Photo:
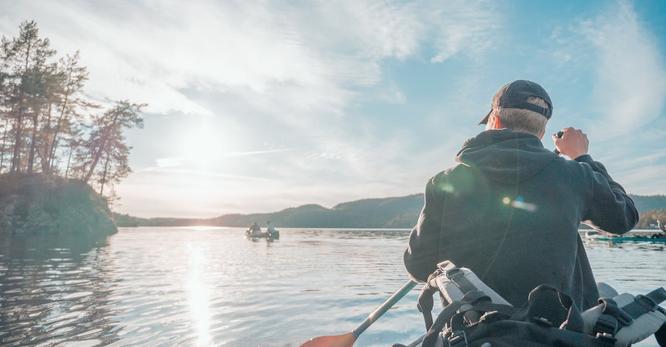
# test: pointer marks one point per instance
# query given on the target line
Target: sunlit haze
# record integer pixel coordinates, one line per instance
(260, 106)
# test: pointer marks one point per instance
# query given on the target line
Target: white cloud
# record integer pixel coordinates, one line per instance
(169, 162)
(630, 86)
(271, 70)
(470, 27)
(153, 50)
(298, 55)
(616, 70)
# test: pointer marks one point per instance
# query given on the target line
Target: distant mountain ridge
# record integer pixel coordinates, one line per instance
(646, 203)
(392, 212)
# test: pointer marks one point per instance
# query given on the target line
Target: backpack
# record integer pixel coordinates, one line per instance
(475, 315)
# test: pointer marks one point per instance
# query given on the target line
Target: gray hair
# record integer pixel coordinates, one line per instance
(522, 120)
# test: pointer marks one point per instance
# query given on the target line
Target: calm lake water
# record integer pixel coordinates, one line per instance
(210, 286)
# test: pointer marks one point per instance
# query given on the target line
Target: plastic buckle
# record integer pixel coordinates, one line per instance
(458, 337)
(611, 308)
(606, 338)
(606, 325)
(490, 317)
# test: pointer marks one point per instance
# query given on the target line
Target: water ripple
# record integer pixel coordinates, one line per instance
(210, 286)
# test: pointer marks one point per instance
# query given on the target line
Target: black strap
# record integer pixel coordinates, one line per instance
(660, 335)
(548, 306)
(440, 322)
(546, 112)
(456, 316)
(605, 340)
(606, 324)
(458, 334)
(658, 295)
(645, 303)
(426, 303)
(613, 318)
(611, 308)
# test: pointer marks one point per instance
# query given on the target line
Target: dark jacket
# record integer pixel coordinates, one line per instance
(510, 212)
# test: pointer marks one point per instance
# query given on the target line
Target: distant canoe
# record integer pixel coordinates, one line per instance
(656, 238)
(269, 235)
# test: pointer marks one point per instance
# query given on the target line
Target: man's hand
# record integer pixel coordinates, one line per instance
(573, 143)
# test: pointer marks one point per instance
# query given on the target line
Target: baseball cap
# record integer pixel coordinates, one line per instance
(516, 94)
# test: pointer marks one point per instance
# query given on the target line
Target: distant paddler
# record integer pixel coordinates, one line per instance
(254, 230)
(271, 232)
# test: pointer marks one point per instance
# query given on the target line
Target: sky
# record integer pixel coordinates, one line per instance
(256, 106)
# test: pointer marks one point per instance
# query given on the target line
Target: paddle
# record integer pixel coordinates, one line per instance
(559, 135)
(347, 340)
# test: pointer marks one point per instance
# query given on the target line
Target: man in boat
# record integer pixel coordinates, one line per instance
(269, 228)
(510, 209)
(255, 229)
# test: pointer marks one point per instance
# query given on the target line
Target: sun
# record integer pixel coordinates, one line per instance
(203, 146)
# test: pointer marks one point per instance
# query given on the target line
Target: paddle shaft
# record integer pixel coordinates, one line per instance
(384, 307)
(559, 136)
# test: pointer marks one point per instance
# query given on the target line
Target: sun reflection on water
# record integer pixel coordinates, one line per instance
(198, 295)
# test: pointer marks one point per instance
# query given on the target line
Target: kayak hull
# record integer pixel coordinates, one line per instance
(263, 235)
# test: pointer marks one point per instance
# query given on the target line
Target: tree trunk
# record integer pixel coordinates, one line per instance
(54, 141)
(106, 170)
(4, 143)
(45, 154)
(33, 141)
(16, 157)
(96, 157)
(69, 160)
(102, 148)
(54, 145)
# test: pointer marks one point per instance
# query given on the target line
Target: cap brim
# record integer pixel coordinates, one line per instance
(485, 119)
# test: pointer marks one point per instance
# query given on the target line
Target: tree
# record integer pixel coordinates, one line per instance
(42, 84)
(106, 139)
(71, 103)
(45, 119)
(116, 164)
(24, 66)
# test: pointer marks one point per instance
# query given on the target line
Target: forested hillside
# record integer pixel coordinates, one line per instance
(394, 212)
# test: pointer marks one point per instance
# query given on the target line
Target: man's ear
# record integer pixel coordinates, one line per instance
(494, 122)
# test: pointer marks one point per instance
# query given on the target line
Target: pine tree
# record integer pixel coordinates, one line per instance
(106, 137)
(45, 122)
(71, 103)
(24, 61)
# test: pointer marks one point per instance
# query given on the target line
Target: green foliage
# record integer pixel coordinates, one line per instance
(649, 218)
(106, 143)
(40, 204)
(46, 115)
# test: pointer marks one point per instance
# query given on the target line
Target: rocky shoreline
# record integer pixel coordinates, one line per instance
(37, 204)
